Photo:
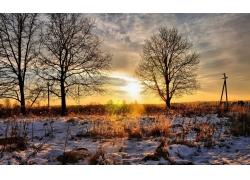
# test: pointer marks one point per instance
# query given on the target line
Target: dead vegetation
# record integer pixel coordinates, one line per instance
(72, 157)
(15, 136)
(240, 124)
(160, 151)
(168, 130)
(98, 158)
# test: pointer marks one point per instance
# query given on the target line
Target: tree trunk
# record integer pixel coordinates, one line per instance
(63, 100)
(23, 109)
(167, 93)
(168, 103)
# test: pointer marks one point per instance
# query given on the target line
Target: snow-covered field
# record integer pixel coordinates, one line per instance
(156, 140)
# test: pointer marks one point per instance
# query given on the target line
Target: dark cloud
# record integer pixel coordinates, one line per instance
(126, 39)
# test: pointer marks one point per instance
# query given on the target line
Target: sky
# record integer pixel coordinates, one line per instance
(219, 32)
(222, 39)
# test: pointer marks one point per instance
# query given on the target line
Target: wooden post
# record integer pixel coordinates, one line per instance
(224, 87)
(222, 93)
(226, 90)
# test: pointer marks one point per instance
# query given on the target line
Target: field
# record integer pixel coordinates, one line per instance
(185, 136)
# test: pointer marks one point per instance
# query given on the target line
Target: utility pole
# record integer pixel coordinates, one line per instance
(224, 87)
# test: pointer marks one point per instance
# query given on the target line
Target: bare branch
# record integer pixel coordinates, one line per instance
(17, 52)
(71, 56)
(168, 66)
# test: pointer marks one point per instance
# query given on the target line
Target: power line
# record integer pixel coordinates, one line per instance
(234, 77)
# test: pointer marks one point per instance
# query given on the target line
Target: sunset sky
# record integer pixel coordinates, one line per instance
(223, 41)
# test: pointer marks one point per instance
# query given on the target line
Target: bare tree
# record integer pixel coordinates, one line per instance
(168, 66)
(18, 42)
(71, 57)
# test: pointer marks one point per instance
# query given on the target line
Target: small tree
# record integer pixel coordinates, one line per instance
(168, 66)
(71, 57)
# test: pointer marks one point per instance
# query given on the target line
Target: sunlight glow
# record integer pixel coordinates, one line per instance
(133, 88)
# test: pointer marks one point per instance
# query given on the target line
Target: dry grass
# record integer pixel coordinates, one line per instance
(15, 137)
(72, 157)
(240, 124)
(205, 134)
(135, 133)
(98, 158)
(14, 143)
(183, 142)
(160, 129)
(160, 151)
(104, 129)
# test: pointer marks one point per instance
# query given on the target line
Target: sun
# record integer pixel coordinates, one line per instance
(133, 88)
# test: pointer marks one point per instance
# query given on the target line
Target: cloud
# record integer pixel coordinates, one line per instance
(117, 81)
(223, 41)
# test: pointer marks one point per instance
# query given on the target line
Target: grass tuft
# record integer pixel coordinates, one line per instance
(72, 157)
(98, 158)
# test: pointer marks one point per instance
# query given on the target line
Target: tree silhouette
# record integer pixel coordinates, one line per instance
(168, 65)
(18, 44)
(71, 57)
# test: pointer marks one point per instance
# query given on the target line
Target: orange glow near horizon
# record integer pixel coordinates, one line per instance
(129, 91)
(131, 97)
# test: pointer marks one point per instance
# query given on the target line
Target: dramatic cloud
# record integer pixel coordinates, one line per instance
(223, 41)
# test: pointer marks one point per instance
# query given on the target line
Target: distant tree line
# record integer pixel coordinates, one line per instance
(122, 110)
(97, 109)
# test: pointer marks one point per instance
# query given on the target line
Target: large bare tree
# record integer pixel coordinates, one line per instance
(18, 43)
(168, 66)
(71, 57)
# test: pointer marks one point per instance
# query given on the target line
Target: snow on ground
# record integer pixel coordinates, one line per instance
(48, 139)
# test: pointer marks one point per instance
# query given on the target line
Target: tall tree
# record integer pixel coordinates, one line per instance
(18, 42)
(168, 66)
(71, 57)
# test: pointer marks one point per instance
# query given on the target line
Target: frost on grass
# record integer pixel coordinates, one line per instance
(119, 140)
